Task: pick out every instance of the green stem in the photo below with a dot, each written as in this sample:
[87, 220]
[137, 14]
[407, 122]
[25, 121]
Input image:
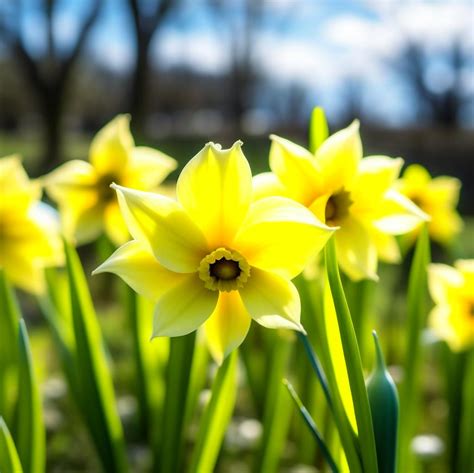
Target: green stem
[353, 363]
[177, 383]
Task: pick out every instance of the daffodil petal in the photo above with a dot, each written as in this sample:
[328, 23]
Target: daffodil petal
[184, 308]
[374, 177]
[111, 147]
[138, 267]
[215, 188]
[83, 225]
[338, 158]
[163, 225]
[227, 326]
[398, 214]
[442, 280]
[444, 191]
[114, 224]
[445, 225]
[280, 235]
[267, 184]
[387, 247]
[296, 169]
[356, 252]
[147, 168]
[272, 301]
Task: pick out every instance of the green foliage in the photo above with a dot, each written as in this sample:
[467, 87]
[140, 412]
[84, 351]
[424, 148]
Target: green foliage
[9, 460]
[216, 416]
[318, 129]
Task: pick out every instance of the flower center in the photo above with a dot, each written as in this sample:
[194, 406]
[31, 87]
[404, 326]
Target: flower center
[337, 207]
[224, 270]
[106, 193]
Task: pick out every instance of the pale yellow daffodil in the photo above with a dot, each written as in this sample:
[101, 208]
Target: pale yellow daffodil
[346, 191]
[212, 257]
[438, 197]
[452, 290]
[29, 229]
[87, 204]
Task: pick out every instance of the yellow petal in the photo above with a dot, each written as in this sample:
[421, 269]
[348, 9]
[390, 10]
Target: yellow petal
[267, 184]
[414, 178]
[398, 215]
[444, 191]
[280, 235]
[374, 177]
[83, 225]
[228, 325]
[439, 320]
[137, 266]
[147, 168]
[72, 184]
[443, 280]
[111, 147]
[296, 169]
[184, 308]
[387, 247]
[163, 225]
[12, 174]
[114, 224]
[338, 158]
[356, 252]
[445, 225]
[272, 301]
[215, 188]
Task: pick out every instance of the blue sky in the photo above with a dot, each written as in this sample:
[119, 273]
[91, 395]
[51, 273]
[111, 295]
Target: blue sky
[318, 45]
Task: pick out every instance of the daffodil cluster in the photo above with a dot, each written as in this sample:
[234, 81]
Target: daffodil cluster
[214, 257]
[87, 204]
[452, 290]
[29, 229]
[354, 195]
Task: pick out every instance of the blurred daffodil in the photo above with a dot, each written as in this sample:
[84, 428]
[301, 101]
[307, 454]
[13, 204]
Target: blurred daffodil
[29, 230]
[438, 197]
[452, 290]
[87, 204]
[212, 256]
[346, 191]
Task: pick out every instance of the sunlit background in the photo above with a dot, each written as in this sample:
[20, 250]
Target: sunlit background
[222, 70]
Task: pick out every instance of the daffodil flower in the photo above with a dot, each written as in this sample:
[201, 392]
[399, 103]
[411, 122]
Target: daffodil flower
[438, 197]
[212, 257]
[343, 190]
[82, 190]
[452, 290]
[29, 230]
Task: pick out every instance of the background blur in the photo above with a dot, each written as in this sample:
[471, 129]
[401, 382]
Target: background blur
[194, 70]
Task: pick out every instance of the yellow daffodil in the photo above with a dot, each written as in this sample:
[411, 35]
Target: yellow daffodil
[346, 191]
[29, 232]
[82, 189]
[452, 290]
[437, 197]
[212, 256]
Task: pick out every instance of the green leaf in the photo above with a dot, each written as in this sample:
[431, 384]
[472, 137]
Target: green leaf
[9, 317]
[9, 460]
[177, 384]
[318, 129]
[277, 412]
[353, 363]
[29, 428]
[416, 315]
[312, 427]
[216, 416]
[93, 379]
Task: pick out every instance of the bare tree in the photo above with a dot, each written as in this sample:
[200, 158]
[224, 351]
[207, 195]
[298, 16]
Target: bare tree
[147, 18]
[48, 75]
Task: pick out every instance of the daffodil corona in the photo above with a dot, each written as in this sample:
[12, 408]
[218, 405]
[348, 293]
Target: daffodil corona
[437, 197]
[452, 290]
[345, 191]
[82, 190]
[212, 256]
[29, 232]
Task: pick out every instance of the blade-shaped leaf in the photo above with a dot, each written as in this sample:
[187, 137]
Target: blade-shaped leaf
[93, 378]
[318, 129]
[9, 460]
[216, 416]
[29, 431]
